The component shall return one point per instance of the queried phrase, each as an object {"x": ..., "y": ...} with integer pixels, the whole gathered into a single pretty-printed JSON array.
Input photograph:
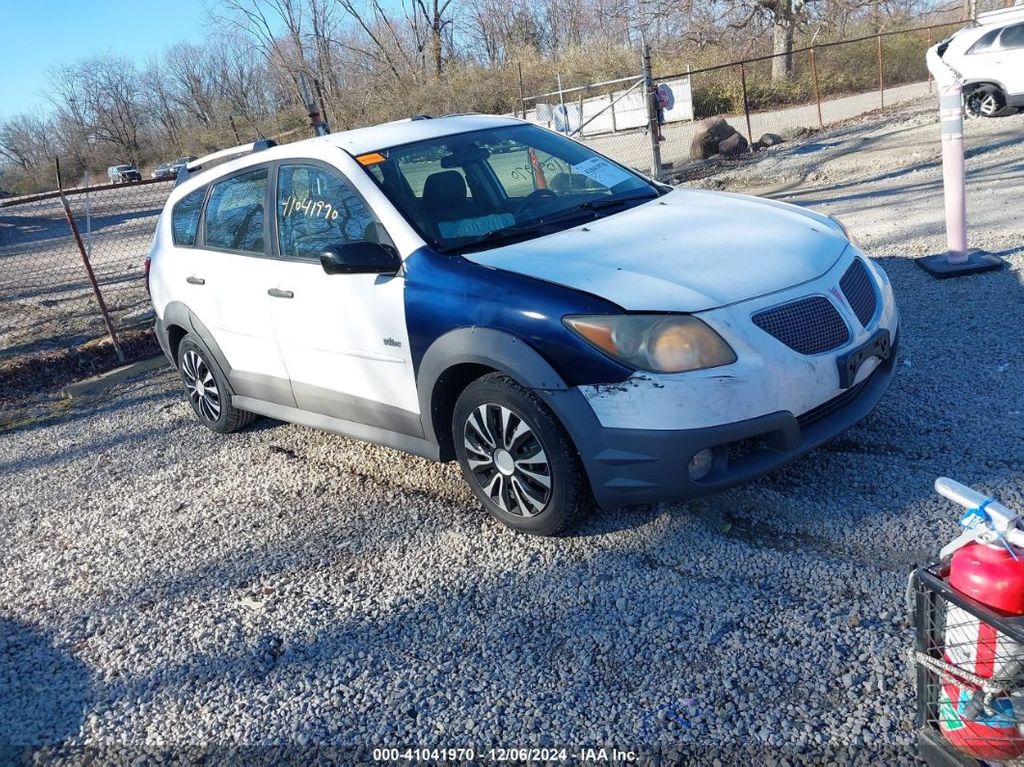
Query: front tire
[
  {"x": 517, "y": 458},
  {"x": 207, "y": 389}
]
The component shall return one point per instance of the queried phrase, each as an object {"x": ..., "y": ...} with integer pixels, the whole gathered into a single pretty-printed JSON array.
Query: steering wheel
[{"x": 532, "y": 198}]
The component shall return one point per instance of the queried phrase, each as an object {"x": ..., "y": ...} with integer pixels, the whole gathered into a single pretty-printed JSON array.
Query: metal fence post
[
  {"x": 817, "y": 88},
  {"x": 881, "y": 75},
  {"x": 746, "y": 104},
  {"x": 561, "y": 104},
  {"x": 88, "y": 266},
  {"x": 929, "y": 38},
  {"x": 522, "y": 93},
  {"x": 611, "y": 108},
  {"x": 654, "y": 131}
]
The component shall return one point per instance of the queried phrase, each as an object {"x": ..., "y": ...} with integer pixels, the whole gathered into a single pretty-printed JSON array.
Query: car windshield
[
  {"x": 486, "y": 188},
  {"x": 123, "y": 167}
]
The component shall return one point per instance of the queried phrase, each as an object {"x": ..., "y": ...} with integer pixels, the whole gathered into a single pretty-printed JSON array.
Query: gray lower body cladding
[
  {"x": 638, "y": 466},
  {"x": 628, "y": 467}
]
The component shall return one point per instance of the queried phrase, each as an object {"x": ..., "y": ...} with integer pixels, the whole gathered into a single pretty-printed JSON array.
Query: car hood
[{"x": 688, "y": 251}]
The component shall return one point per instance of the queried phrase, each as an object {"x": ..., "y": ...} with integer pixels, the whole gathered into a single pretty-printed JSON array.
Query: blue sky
[{"x": 38, "y": 34}]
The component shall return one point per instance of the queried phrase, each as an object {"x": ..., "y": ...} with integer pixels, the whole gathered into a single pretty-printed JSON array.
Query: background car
[
  {"x": 990, "y": 60},
  {"x": 122, "y": 173},
  {"x": 164, "y": 171},
  {"x": 177, "y": 165}
]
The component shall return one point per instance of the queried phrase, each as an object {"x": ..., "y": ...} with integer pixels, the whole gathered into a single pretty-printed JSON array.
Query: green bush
[{"x": 712, "y": 99}]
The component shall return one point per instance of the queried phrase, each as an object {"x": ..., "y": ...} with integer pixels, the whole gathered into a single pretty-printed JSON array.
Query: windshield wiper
[
  {"x": 538, "y": 225},
  {"x": 495, "y": 236},
  {"x": 594, "y": 206}
]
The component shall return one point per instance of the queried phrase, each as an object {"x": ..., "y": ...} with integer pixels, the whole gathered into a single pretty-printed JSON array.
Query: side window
[
  {"x": 985, "y": 42},
  {"x": 317, "y": 208},
  {"x": 234, "y": 214},
  {"x": 185, "y": 217},
  {"x": 1012, "y": 37}
]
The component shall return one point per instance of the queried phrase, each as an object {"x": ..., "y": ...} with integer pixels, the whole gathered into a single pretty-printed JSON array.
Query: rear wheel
[
  {"x": 207, "y": 390},
  {"x": 517, "y": 458},
  {"x": 986, "y": 101}
]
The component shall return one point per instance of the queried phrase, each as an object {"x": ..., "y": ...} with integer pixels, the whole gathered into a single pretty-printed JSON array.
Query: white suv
[
  {"x": 990, "y": 61},
  {"x": 481, "y": 289}
]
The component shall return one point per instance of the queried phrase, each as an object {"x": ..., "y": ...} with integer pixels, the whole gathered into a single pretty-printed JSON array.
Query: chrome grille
[
  {"x": 809, "y": 326},
  {"x": 856, "y": 286}
]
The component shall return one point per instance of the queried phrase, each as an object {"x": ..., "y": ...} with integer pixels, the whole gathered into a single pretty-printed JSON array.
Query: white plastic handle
[{"x": 1003, "y": 519}]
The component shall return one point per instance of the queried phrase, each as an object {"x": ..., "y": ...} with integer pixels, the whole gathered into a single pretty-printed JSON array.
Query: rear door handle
[
  {"x": 195, "y": 280},
  {"x": 280, "y": 293}
]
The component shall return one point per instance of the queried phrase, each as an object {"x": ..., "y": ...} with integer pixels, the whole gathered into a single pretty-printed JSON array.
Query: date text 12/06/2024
[{"x": 596, "y": 755}]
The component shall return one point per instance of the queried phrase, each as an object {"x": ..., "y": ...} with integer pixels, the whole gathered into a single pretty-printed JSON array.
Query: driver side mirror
[{"x": 360, "y": 257}]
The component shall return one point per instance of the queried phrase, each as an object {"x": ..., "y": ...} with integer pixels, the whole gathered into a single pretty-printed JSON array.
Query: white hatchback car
[
  {"x": 481, "y": 289},
  {"x": 990, "y": 61}
]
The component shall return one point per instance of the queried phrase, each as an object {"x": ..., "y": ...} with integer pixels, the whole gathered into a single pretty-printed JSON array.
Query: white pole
[
  {"x": 957, "y": 259},
  {"x": 954, "y": 176}
]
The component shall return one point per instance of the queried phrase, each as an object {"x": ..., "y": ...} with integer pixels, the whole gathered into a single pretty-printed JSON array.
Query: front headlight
[
  {"x": 655, "y": 342},
  {"x": 847, "y": 233}
]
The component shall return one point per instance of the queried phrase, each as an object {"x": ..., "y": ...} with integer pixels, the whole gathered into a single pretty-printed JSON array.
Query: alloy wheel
[
  {"x": 507, "y": 459},
  {"x": 983, "y": 103},
  {"x": 201, "y": 385}
]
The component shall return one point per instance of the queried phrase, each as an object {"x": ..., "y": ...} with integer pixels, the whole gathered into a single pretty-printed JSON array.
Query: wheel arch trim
[
  {"x": 493, "y": 349},
  {"x": 179, "y": 315}
]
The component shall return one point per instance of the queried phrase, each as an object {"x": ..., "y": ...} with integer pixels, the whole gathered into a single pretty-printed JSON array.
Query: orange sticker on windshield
[{"x": 370, "y": 159}]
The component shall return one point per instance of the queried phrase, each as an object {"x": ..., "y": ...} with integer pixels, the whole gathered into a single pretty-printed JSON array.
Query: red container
[{"x": 991, "y": 575}]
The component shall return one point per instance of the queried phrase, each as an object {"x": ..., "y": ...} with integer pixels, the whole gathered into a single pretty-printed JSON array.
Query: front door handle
[
  {"x": 280, "y": 293},
  {"x": 195, "y": 280}
]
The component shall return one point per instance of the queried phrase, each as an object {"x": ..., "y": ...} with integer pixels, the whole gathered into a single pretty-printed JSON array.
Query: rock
[
  {"x": 709, "y": 135},
  {"x": 770, "y": 139},
  {"x": 794, "y": 133},
  {"x": 733, "y": 146}
]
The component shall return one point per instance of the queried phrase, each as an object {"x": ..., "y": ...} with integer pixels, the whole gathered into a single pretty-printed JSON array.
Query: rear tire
[
  {"x": 517, "y": 458},
  {"x": 986, "y": 101},
  {"x": 207, "y": 390}
]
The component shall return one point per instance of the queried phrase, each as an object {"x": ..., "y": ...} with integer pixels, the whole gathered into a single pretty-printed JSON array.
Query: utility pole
[
  {"x": 315, "y": 120},
  {"x": 653, "y": 128}
]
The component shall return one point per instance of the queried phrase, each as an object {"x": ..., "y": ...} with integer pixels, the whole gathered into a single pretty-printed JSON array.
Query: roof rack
[
  {"x": 1002, "y": 15},
  {"x": 223, "y": 154}
]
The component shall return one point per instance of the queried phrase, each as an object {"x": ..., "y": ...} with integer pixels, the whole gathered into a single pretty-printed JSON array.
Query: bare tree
[
  {"x": 24, "y": 141},
  {"x": 101, "y": 99},
  {"x": 435, "y": 15}
]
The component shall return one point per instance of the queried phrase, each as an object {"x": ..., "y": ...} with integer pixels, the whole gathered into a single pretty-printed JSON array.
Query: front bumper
[{"x": 638, "y": 466}]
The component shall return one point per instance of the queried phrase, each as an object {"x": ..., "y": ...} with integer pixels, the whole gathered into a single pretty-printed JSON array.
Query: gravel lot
[{"x": 164, "y": 586}]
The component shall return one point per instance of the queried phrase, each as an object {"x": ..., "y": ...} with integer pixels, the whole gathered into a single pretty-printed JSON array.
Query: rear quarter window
[{"x": 185, "y": 217}]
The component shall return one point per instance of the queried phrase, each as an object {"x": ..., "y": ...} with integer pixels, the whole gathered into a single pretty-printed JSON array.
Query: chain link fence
[
  {"x": 827, "y": 83},
  {"x": 72, "y": 273}
]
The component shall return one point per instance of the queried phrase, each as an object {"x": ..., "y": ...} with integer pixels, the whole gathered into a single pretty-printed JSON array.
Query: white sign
[{"x": 602, "y": 171}]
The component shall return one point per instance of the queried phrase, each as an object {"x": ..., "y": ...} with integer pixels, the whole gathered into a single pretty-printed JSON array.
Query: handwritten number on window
[{"x": 309, "y": 208}]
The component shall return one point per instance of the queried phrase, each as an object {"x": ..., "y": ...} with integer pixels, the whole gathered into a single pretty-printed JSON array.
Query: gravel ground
[{"x": 164, "y": 586}]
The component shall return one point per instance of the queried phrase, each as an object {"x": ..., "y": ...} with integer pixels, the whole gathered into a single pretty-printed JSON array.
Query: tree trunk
[
  {"x": 782, "y": 47},
  {"x": 436, "y": 38}
]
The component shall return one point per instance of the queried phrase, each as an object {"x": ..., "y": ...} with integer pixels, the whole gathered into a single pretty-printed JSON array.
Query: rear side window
[
  {"x": 185, "y": 217},
  {"x": 234, "y": 214},
  {"x": 317, "y": 208},
  {"x": 1012, "y": 37},
  {"x": 985, "y": 42}
]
